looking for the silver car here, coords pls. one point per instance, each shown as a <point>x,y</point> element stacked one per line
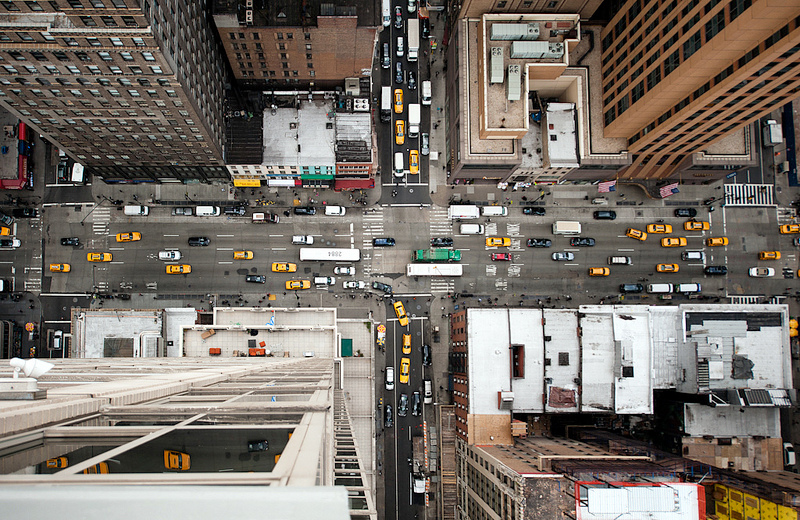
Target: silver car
<point>424,145</point>
<point>564,256</point>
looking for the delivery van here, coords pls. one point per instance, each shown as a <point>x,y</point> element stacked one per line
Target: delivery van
<point>471,229</point>
<point>566,227</point>
<point>463,211</point>
<point>428,392</point>
<point>688,288</point>
<point>494,211</point>
<point>399,167</point>
<point>324,280</point>
<point>619,260</point>
<point>657,288</point>
<point>389,378</point>
<point>207,211</point>
<point>426,92</point>
<point>335,210</point>
<point>136,210</point>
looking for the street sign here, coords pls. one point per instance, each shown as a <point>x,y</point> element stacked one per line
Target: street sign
<point>731,175</point>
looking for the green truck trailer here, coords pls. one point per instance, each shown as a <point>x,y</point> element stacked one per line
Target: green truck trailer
<point>436,255</point>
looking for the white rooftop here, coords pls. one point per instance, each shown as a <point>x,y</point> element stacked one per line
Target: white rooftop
<point>562,142</point>
<point>673,501</point>
<point>300,137</point>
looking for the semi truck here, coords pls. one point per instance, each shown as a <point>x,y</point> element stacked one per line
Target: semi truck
<point>445,270</point>
<point>413,39</point>
<point>436,255</point>
<point>386,104</point>
<point>463,211</point>
<point>418,466</point>
<point>413,120</point>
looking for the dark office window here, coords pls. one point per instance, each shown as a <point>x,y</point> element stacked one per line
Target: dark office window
<point>88,21</point>
<point>737,7</point>
<point>109,21</point>
<point>563,359</point>
<point>10,6</point>
<point>691,45</point>
<point>34,6</point>
<point>637,92</point>
<point>75,4</point>
<point>671,63</point>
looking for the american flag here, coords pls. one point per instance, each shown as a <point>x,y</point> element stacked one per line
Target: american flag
<point>669,189</point>
<point>605,187</point>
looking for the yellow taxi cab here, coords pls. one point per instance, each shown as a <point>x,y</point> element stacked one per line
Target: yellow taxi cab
<point>401,313</point>
<point>131,236</point>
<point>242,255</point>
<point>283,267</point>
<point>667,268</point>
<point>769,255</point>
<point>4,231</point>
<point>179,269</point>
<point>406,343</point>
<point>696,225</point>
<point>786,229</point>
<point>176,460</point>
<point>498,242</point>
<point>98,257</point>
<point>673,242</point>
<point>717,241</point>
<point>399,132</point>
<point>296,285</point>
<point>398,101</point>
<point>60,268</point>
<point>100,467</point>
<point>599,271</point>
<point>413,161</point>
<point>635,233</point>
<point>405,364</point>
<point>659,228</point>
<point>57,463</point>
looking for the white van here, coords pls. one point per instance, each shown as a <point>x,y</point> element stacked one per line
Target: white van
<point>207,211</point>
<point>566,227</point>
<point>399,166</point>
<point>688,288</point>
<point>426,92</point>
<point>335,210</point>
<point>400,47</point>
<point>655,288</point>
<point>136,210</point>
<point>619,260</point>
<point>428,392</point>
<point>471,229</point>
<point>169,256</point>
<point>494,211</point>
<point>58,338</point>
<point>324,280</point>
<point>693,255</point>
<point>389,378</point>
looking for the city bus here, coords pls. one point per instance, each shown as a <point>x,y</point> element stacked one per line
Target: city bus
<point>327,253</point>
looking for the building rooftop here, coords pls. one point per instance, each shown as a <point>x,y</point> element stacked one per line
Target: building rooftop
<point>291,13</point>
<point>561,137</point>
<point>301,136</point>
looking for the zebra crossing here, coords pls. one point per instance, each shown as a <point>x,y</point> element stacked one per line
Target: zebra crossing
<point>745,300</point>
<point>372,226</point>
<point>749,195</point>
<point>439,224</point>
<point>439,285</point>
<point>101,216</point>
<point>33,279</point>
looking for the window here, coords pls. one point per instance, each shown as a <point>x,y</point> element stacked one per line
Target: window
<point>281,46</point>
<point>289,36</point>
<point>115,70</point>
<point>691,45</point>
<point>105,56</point>
<point>279,35</point>
<point>82,56</point>
<point>232,36</point>
<point>129,21</point>
<point>10,6</point>
<point>34,6</point>
<point>60,56</point>
<point>16,55</point>
<point>124,82</point>
<point>72,42</point>
<point>148,56</point>
<point>139,42</point>
<point>94,42</point>
<point>109,21</point>
<point>116,42</point>
<point>135,69</point>
<point>25,36</point>
<point>307,36</point>
<point>48,37</point>
<point>155,69</point>
<point>127,56</point>
<point>88,21</point>
<point>94,69</point>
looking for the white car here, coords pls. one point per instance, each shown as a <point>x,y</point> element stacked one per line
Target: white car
<point>344,270</point>
<point>169,256</point>
<point>10,243</point>
<point>762,272</point>
<point>354,285</point>
<point>303,240</point>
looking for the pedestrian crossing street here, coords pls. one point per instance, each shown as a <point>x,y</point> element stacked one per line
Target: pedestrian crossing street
<point>372,226</point>
<point>749,195</point>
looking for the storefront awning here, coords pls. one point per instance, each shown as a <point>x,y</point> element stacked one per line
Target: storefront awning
<point>353,184</point>
<point>281,182</point>
<point>247,183</point>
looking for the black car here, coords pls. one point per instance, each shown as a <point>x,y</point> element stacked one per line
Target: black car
<point>25,213</point>
<point>199,241</point>
<point>389,421</point>
<point>234,210</point>
<point>71,241</point>
<point>412,81</point>
<point>387,289</point>
<point>416,404</point>
<point>631,288</point>
<point>533,211</point>
<point>399,76</point>
<point>426,28</point>
<point>255,278</point>
<point>539,242</point>
<point>305,210</point>
<point>716,269</point>
<point>581,242</point>
<point>257,445</point>
<point>686,212</point>
<point>426,355</point>
<point>402,405</point>
<point>605,214</point>
<point>383,242</point>
<point>5,219</point>
<point>398,17</point>
<point>442,242</point>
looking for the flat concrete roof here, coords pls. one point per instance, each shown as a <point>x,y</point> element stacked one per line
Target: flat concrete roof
<point>300,137</point>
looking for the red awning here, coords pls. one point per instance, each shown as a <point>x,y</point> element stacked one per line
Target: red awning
<point>353,184</point>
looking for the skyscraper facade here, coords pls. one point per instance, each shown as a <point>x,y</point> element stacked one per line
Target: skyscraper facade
<point>132,89</point>
<point>681,75</point>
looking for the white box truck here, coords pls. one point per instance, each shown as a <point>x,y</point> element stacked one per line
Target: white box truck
<point>773,133</point>
<point>566,227</point>
<point>426,92</point>
<point>413,39</point>
<point>386,104</point>
<point>463,211</point>
<point>413,120</point>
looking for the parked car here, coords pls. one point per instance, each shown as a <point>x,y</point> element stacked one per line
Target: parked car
<point>186,211</point>
<point>199,241</point>
<point>305,210</point>
<point>605,215</point>
<point>25,213</point>
<point>424,147</point>
<point>234,210</point>
<point>426,355</point>
<point>255,278</point>
<point>538,211</point>
<point>9,243</point>
<point>416,404</point>
<point>564,256</point>
<point>539,242</point>
<point>378,286</point>
<point>686,212</point>
<point>71,241</point>
<point>442,242</point>
<point>388,419</point>
<point>631,288</point>
<point>581,242</point>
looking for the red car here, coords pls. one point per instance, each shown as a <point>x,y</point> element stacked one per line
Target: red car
<point>501,256</point>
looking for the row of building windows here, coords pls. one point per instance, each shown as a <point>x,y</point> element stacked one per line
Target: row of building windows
<point>92,69</point>
<point>281,55</point>
<point>89,41</point>
<point>272,73</point>
<point>105,82</point>
<point>256,36</point>
<point>35,6</point>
